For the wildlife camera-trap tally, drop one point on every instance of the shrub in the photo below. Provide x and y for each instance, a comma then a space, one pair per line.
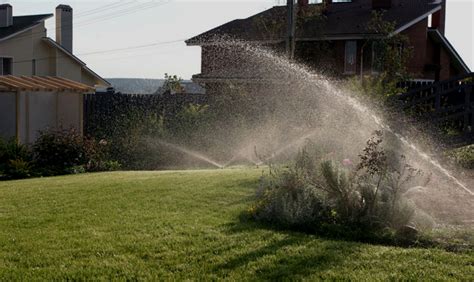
463, 157
18, 169
97, 155
56, 152
361, 202
127, 135
15, 160
376, 87
191, 127
12, 150
76, 170
111, 166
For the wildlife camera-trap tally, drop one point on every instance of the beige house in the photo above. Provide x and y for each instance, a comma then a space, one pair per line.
25, 49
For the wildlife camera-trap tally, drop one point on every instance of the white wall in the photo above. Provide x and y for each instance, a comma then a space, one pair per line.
41, 113
47, 110
70, 111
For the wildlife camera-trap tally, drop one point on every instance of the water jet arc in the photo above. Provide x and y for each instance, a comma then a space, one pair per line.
193, 154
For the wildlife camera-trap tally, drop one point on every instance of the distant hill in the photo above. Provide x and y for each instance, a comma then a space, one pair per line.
149, 86
136, 85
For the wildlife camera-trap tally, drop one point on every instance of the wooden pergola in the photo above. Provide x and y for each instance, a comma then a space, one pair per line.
42, 83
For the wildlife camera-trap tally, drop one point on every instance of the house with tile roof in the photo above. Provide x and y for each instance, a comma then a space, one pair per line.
343, 26
25, 49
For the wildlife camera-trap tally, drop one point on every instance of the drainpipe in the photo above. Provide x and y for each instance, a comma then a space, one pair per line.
291, 30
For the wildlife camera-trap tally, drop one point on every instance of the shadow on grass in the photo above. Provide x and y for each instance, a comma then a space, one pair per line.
310, 261
246, 224
295, 256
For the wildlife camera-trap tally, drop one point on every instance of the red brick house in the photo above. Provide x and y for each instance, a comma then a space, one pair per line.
344, 29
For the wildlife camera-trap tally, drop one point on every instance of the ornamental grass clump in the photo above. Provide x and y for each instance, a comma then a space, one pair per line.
288, 198
364, 201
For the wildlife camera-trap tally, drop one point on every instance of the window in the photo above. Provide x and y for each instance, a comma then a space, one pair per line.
6, 66
350, 61
33, 67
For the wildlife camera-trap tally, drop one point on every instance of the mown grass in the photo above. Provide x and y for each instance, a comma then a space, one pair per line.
181, 225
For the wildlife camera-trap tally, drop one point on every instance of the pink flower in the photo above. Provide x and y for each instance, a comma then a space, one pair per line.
347, 162
103, 142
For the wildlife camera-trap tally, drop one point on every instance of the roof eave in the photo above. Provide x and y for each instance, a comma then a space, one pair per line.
93, 73
61, 48
451, 50
276, 41
416, 20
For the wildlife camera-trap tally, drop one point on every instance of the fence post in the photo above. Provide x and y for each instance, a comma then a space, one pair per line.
467, 107
437, 98
469, 95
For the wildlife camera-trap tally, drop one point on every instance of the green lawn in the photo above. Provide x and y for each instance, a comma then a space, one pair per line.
180, 225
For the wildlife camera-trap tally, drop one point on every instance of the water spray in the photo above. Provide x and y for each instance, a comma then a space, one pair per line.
282, 65
407, 143
193, 154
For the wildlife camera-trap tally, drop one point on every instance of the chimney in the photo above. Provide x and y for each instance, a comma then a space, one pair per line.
438, 19
381, 4
64, 26
6, 15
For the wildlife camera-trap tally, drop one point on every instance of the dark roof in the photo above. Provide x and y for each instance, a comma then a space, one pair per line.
342, 20
22, 23
457, 61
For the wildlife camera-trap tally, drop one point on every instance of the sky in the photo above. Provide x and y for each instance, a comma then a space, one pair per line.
102, 27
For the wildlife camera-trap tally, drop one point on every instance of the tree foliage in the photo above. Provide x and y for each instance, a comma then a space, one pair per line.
172, 84
392, 50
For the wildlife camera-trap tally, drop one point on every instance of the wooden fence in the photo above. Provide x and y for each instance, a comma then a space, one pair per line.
102, 106
413, 85
446, 103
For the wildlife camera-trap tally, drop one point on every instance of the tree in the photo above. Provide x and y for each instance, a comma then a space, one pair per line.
389, 53
390, 49
172, 84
